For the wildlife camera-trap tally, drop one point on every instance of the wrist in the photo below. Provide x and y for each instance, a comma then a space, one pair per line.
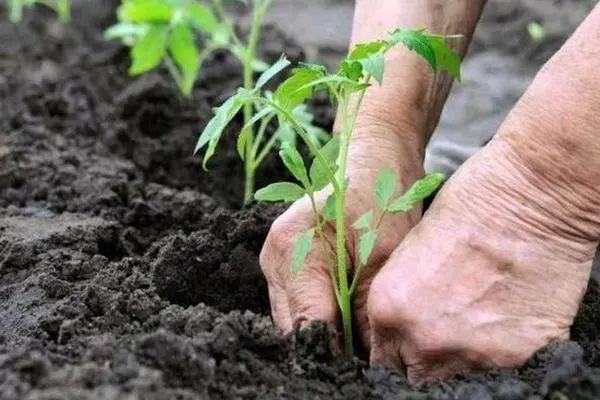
379, 143
567, 186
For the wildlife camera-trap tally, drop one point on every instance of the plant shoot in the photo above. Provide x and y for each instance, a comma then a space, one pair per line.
328, 168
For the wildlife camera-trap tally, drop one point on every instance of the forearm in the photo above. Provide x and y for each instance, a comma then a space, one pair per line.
554, 132
411, 98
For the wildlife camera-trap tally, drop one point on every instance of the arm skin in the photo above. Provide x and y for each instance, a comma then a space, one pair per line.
411, 94
554, 131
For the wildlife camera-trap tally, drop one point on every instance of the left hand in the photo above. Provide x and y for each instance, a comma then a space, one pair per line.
487, 278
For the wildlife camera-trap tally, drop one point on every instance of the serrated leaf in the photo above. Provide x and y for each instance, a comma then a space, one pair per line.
419, 191
366, 245
301, 249
385, 186
365, 50
296, 89
223, 116
364, 222
146, 11
446, 58
329, 211
417, 41
318, 172
182, 47
202, 17
280, 192
149, 50
294, 163
276, 68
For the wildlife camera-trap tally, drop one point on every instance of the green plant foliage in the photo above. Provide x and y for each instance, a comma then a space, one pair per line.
417, 193
301, 249
280, 191
328, 168
61, 7
170, 31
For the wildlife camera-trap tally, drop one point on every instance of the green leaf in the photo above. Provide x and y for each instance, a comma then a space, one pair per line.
276, 68
146, 11
365, 50
318, 172
366, 245
202, 17
124, 30
294, 163
182, 46
445, 57
301, 250
371, 60
149, 50
417, 41
296, 89
329, 211
281, 191
374, 65
353, 70
364, 222
419, 191
385, 186
223, 116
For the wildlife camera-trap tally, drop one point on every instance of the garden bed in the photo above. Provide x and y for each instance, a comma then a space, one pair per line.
126, 272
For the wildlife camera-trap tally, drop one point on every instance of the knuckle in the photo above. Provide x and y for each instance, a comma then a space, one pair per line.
386, 305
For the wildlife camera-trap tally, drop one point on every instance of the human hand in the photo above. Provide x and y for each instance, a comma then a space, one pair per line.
309, 295
494, 271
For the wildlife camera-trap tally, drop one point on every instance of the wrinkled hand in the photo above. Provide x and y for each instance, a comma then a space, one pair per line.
493, 272
309, 295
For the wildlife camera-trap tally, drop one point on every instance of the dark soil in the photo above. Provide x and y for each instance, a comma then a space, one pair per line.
126, 272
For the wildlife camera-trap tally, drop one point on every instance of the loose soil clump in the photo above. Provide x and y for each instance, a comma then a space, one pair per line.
126, 272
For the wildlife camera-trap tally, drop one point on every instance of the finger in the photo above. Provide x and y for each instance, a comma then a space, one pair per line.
386, 352
311, 295
280, 310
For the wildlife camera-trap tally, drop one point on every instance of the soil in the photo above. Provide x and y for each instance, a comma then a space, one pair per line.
126, 272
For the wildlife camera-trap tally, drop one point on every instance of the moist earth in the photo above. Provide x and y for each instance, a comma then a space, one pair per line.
127, 272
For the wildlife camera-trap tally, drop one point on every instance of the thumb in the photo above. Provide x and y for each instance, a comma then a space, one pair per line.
307, 296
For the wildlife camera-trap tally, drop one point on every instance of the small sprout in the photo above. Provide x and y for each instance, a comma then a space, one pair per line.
328, 168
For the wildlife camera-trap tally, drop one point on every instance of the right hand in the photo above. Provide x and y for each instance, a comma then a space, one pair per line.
309, 295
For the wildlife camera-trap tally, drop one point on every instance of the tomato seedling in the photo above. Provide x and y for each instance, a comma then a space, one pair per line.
328, 169
169, 31
61, 7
